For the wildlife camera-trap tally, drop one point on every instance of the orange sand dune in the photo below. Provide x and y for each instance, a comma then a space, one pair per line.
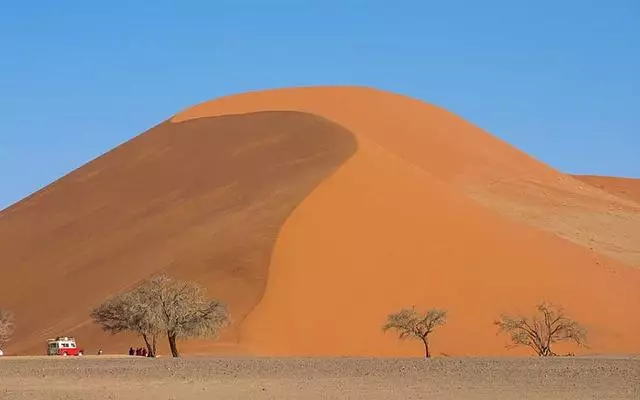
202, 200
462, 155
380, 235
393, 227
372, 201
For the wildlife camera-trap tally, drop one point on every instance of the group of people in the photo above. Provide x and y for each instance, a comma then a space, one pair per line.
140, 351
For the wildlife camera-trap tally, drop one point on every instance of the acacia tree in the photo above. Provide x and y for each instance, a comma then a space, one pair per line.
185, 310
415, 325
6, 327
539, 332
132, 311
161, 304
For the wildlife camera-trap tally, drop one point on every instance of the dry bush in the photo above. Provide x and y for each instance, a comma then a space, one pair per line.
539, 332
414, 325
161, 304
6, 327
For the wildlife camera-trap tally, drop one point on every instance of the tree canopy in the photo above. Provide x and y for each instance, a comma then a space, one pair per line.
540, 331
409, 323
133, 311
178, 308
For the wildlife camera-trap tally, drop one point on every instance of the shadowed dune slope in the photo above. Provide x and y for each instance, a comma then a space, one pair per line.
203, 199
625, 187
435, 212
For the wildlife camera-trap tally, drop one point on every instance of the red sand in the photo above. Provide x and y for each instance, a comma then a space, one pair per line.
432, 211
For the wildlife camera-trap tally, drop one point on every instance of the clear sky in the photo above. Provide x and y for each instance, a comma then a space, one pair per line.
556, 78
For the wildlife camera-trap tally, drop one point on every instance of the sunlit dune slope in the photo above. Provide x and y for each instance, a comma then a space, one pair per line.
382, 234
202, 200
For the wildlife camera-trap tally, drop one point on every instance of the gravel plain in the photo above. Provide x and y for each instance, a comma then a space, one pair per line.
127, 378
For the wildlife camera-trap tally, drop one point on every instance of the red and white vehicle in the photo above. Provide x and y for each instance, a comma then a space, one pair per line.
63, 346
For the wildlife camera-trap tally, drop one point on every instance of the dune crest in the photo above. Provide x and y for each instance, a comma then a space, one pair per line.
452, 149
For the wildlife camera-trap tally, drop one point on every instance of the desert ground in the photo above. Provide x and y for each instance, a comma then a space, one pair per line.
105, 377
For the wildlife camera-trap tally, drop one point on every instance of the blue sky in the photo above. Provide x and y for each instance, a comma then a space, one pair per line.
557, 79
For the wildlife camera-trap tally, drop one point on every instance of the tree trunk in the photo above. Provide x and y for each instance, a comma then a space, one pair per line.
153, 345
427, 354
146, 342
545, 351
172, 344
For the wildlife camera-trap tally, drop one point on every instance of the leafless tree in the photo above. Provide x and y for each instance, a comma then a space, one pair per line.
6, 327
539, 332
132, 311
161, 304
412, 324
185, 310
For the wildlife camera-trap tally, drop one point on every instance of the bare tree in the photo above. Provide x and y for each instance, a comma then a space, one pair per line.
411, 324
161, 304
132, 311
6, 327
185, 310
539, 332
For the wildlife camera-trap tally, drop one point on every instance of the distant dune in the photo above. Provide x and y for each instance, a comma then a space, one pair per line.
624, 187
314, 212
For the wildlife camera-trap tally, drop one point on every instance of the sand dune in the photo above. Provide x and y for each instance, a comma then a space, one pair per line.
315, 212
379, 235
465, 157
202, 200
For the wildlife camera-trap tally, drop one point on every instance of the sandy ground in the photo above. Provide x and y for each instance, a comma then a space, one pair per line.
263, 378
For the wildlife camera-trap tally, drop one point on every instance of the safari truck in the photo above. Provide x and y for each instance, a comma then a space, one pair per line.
63, 346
